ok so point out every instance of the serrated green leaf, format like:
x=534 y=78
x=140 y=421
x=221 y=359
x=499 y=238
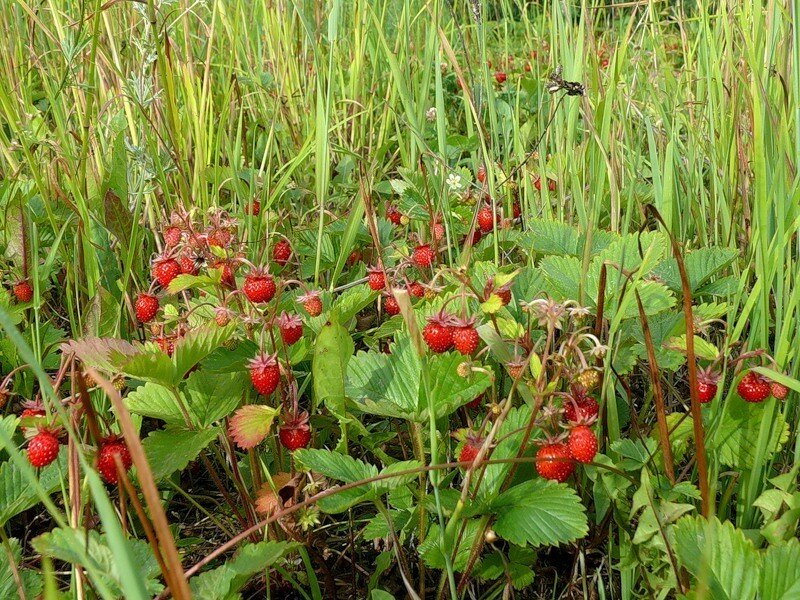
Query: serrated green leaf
x=736 y=437
x=720 y=557
x=431 y=549
x=61 y=543
x=172 y=449
x=701 y=265
x=335 y=465
x=16 y=492
x=213 y=396
x=539 y=512
x=155 y=401
x=197 y=344
x=403 y=465
x=551 y=238
x=780 y=575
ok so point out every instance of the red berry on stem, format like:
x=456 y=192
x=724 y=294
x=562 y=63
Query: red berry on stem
x=291 y=328
x=165 y=270
x=259 y=286
x=554 y=462
x=582 y=444
x=106 y=464
x=295 y=432
x=754 y=387
x=43 y=448
x=376 y=279
x=500 y=77
x=465 y=338
x=23 y=291
x=471 y=448
x=311 y=302
x=282 y=252
x=172 y=236
x=391 y=306
x=486 y=219
x=265 y=373
x=423 y=256
x=778 y=390
x=146 y=307
x=438 y=333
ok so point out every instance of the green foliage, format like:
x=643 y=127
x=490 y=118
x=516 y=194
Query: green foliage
x=172 y=449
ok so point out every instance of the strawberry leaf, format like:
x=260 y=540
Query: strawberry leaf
x=251 y=424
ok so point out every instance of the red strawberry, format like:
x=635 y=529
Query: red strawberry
x=228 y=279
x=504 y=293
x=172 y=236
x=465 y=338
x=259 y=286
x=582 y=444
x=476 y=237
x=706 y=385
x=500 y=77
x=391 y=306
x=423 y=256
x=265 y=373
x=220 y=237
x=754 y=387
x=354 y=257
x=438 y=232
x=516 y=367
x=222 y=316
x=146 y=307
x=106 y=464
x=470 y=449
x=580 y=406
x=43 y=448
x=554 y=462
x=516 y=209
x=165 y=270
x=416 y=289
x=438 y=333
x=295 y=432
x=486 y=219
x=551 y=184
x=473 y=404
x=481 y=174
x=312 y=303
x=376 y=279
x=23 y=291
x=32 y=409
x=394 y=215
x=778 y=390
x=527 y=67
x=188 y=264
x=291 y=327
x=254 y=208
x=282 y=252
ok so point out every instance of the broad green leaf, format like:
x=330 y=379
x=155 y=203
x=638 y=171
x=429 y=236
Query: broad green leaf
x=197 y=344
x=510 y=435
x=702 y=348
x=563 y=274
x=335 y=465
x=390 y=384
x=701 y=266
x=213 y=396
x=16 y=493
x=539 y=512
x=517 y=565
x=780 y=574
x=736 y=437
x=333 y=349
x=251 y=424
x=551 y=238
x=226 y=581
x=61 y=544
x=404 y=465
x=155 y=401
x=386 y=384
x=31 y=580
x=431 y=549
x=148 y=364
x=172 y=449
x=719 y=556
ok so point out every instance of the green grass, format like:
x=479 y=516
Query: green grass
x=312 y=107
